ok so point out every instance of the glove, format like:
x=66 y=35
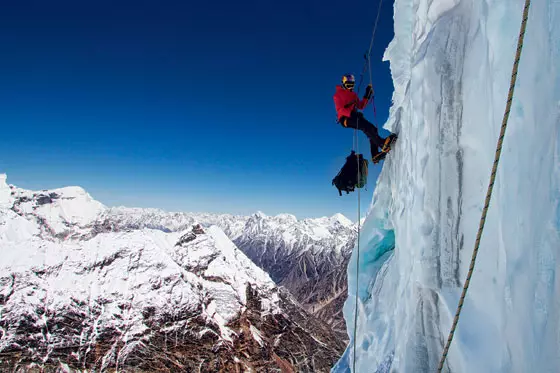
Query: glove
x=369 y=92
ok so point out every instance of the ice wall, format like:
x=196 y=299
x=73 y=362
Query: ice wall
x=451 y=64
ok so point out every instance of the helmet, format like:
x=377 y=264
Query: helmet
x=348 y=81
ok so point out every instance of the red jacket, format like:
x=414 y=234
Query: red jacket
x=347 y=101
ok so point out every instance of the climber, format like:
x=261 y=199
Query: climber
x=347 y=105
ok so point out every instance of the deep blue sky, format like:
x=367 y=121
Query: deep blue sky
x=214 y=106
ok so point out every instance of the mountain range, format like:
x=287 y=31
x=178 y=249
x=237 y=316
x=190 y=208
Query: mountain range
x=86 y=286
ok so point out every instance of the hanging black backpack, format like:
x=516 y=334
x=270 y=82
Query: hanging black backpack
x=349 y=177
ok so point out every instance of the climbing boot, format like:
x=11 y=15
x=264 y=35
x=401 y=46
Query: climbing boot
x=378 y=157
x=389 y=141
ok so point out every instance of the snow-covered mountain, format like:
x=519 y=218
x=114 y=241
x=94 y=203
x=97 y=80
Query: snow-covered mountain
x=78 y=291
x=451 y=62
x=309 y=256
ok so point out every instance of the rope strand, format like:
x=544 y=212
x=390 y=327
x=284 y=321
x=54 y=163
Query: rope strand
x=357 y=259
x=368 y=55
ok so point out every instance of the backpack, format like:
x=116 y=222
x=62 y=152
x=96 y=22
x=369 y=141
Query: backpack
x=349 y=178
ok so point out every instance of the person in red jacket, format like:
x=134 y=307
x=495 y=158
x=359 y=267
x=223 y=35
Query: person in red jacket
x=347 y=104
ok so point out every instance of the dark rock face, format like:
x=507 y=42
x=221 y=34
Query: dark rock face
x=264 y=342
x=190 y=236
x=43 y=199
x=312 y=268
x=320 y=285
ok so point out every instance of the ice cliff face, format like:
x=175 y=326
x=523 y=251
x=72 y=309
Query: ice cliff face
x=75 y=292
x=451 y=63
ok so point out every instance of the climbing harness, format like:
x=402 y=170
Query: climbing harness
x=491 y=184
x=367 y=64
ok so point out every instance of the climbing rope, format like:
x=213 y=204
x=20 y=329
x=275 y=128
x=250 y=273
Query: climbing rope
x=366 y=65
x=357 y=277
x=491 y=184
x=373 y=96
x=368 y=54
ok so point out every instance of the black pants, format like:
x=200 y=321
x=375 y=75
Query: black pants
x=357 y=120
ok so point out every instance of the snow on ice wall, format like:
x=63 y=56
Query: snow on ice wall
x=451 y=63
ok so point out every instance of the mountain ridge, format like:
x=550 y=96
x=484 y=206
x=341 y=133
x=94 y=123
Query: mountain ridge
x=86 y=292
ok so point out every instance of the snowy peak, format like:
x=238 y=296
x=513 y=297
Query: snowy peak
x=343 y=220
x=121 y=283
x=5 y=192
x=308 y=257
x=71 y=213
x=260 y=215
x=286 y=218
x=125 y=218
x=62 y=211
x=209 y=253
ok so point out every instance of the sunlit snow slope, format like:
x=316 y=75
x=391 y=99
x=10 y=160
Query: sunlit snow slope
x=87 y=289
x=451 y=63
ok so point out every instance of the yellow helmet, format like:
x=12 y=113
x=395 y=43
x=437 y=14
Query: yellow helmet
x=348 y=81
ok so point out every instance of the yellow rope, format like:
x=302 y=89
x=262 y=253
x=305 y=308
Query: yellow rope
x=491 y=184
